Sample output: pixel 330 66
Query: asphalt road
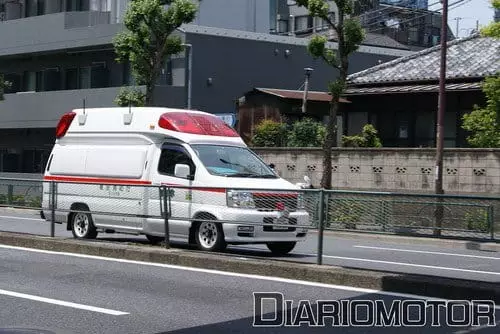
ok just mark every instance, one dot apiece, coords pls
pixel 354 253
pixel 80 294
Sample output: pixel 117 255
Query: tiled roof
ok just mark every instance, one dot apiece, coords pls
pixel 470 57
pixel 375 90
pixel 371 39
pixel 298 94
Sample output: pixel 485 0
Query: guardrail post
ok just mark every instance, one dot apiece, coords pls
pixel 491 221
pixel 321 218
pixel 52 208
pixel 166 212
pixel 10 194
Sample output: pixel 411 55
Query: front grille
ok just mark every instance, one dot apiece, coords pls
pixel 270 202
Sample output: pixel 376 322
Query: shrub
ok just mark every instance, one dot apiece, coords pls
pixel 477 220
pixel 367 138
pixel 307 133
pixel 135 97
pixel 269 133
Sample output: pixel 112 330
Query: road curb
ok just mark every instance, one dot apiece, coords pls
pixel 437 287
pixel 361 235
pixel 416 240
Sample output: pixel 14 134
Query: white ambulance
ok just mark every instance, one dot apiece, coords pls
pixel 113 160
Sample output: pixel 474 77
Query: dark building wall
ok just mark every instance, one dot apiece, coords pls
pixel 236 66
pixel 392 113
pixel 113 72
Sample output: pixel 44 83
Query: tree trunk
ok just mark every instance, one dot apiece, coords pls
pixel 149 95
pixel 330 142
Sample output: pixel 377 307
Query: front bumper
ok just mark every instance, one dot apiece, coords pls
pixel 270 229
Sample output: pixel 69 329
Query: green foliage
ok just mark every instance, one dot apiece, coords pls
pixel 345 211
pixel 477 220
pixel 269 133
pixel 349 36
pixel 307 133
pixel 3 84
pixel 367 138
pixel 484 124
pixel 147 42
pixel 134 97
pixel 492 29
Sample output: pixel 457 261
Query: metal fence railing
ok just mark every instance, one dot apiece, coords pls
pixel 131 204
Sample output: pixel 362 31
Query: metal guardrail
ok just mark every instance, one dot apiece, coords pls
pixel 442 216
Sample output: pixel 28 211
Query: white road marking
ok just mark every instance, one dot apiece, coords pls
pixel 429 252
pixel 231 274
pixel 61 303
pixel 395 263
pixel 413 265
pixel 22 218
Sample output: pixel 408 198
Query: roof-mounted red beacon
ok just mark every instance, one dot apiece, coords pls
pixel 199 124
pixel 64 123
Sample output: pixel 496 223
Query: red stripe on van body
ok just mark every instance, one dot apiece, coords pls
pixel 98 180
pixel 214 190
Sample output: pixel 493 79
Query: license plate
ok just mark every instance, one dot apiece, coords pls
pixel 280 227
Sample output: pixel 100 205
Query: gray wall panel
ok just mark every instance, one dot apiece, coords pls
pixel 47 33
pixel 237 66
pixel 249 15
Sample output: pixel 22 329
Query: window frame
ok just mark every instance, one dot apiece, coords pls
pixel 170 146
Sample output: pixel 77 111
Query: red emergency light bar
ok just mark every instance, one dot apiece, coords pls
pixel 196 124
pixel 64 123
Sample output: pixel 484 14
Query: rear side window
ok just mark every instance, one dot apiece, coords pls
pixel 50 161
pixel 172 155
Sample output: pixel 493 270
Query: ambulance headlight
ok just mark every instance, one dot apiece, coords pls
pixel 240 199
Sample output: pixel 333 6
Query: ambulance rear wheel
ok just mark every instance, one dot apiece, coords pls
pixel 281 248
pixel 209 236
pixel 154 239
pixel 82 226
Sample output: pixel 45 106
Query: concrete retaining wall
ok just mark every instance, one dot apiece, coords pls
pixel 392 169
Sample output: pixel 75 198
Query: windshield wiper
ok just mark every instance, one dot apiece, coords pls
pixel 240 175
pixel 264 176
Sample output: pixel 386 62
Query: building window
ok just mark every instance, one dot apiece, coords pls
pixel 71 78
pixel 29 81
pixel 51 79
pixel 84 78
pixel 303 24
pixel 77 5
pixel 99 76
pixel 323 24
pixel 35 7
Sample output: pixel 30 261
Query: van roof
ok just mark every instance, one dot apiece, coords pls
pixel 189 126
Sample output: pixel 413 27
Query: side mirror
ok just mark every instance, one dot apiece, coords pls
pixel 182 171
pixel 271 165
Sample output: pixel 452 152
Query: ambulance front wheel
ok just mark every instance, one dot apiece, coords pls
pixel 209 236
pixel 281 248
pixel 82 226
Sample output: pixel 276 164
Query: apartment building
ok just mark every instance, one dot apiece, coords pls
pixel 59 55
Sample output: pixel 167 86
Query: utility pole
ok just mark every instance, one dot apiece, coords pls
pixel 440 117
pixel 458 19
pixel 307 71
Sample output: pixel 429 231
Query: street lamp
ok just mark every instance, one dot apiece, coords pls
pixel 308 72
pixel 190 67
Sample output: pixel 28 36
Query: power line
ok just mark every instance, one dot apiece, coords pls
pixel 458 2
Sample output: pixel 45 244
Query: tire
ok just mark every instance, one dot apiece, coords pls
pixel 82 225
pixel 281 248
pixel 154 239
pixel 209 237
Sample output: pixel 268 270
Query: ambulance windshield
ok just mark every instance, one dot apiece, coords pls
pixel 232 161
